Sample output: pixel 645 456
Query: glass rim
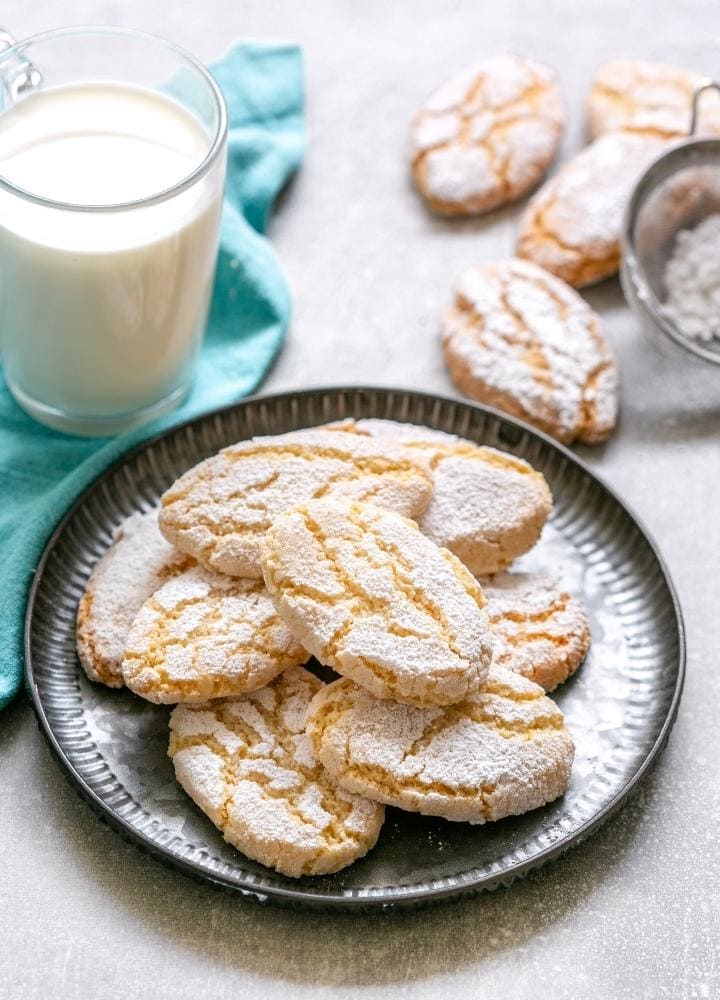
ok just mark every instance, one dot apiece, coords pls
pixel 166 193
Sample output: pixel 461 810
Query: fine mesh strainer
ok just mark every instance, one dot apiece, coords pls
pixel 677 191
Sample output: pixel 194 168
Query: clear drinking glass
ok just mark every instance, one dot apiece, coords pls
pixel 112 165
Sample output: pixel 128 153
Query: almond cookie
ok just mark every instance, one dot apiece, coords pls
pixel 538 630
pixel 136 564
pixel 523 341
pixel 502 751
pixel 488 507
pixel 220 509
pixel 371 597
pixel 204 635
pixel 635 95
pixel 249 765
pixel 486 136
pixel 572 225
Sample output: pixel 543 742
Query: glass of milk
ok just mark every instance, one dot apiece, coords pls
pixel 112 164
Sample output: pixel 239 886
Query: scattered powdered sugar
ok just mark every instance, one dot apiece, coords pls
pixel 692 281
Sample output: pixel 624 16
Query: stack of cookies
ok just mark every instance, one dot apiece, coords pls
pixel 381 550
pixel 518 336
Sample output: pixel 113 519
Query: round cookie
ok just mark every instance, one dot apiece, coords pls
pixel 633 94
pixel 486 136
pixel 488 507
pixel 538 630
pixel 204 635
pixel 523 341
pixel 220 509
pixel 136 564
pixel 501 752
pixel 367 594
pixel 571 226
pixel 249 766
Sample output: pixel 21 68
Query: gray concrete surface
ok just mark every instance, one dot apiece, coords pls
pixel 633 913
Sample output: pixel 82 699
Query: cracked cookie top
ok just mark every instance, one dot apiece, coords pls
pixel 636 95
pixel 502 751
pixel 538 630
pixel 137 563
pixel 204 635
pixel 487 135
pixel 250 767
pixel 220 509
pixel 571 227
pixel 376 600
pixel 522 340
pixel 488 507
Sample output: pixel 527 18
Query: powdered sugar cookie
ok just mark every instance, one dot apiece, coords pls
pixel 250 767
pixel 370 596
pixel 136 564
pixel 523 341
pixel 219 510
pixel 204 635
pixel 488 507
pixel 502 751
pixel 486 136
pixel 538 630
pixel 572 225
pixel 636 95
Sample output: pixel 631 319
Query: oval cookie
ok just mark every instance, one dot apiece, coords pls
pixel 488 507
pixel 571 227
pixel 136 564
pixel 636 95
pixel 538 630
pixel 250 767
pixel 371 597
pixel 486 136
pixel 501 752
pixel 523 341
pixel 203 635
pixel 219 510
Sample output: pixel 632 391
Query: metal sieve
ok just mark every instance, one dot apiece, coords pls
pixel 677 191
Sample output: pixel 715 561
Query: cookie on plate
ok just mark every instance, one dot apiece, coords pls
pixel 487 135
pixel 249 766
pixel 136 564
pixel 219 510
pixel 637 95
pixel 204 635
pixel 520 339
pixel 373 598
pixel 571 226
pixel 488 507
pixel 502 751
pixel 538 629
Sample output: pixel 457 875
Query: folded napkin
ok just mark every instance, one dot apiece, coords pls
pixel 42 471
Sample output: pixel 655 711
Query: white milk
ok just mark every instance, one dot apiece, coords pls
pixel 101 312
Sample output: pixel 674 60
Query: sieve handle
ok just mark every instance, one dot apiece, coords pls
pixel 20 75
pixel 706 84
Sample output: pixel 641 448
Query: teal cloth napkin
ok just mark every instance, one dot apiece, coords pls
pixel 42 471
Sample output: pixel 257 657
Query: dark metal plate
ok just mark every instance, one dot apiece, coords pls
pixel 619 707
